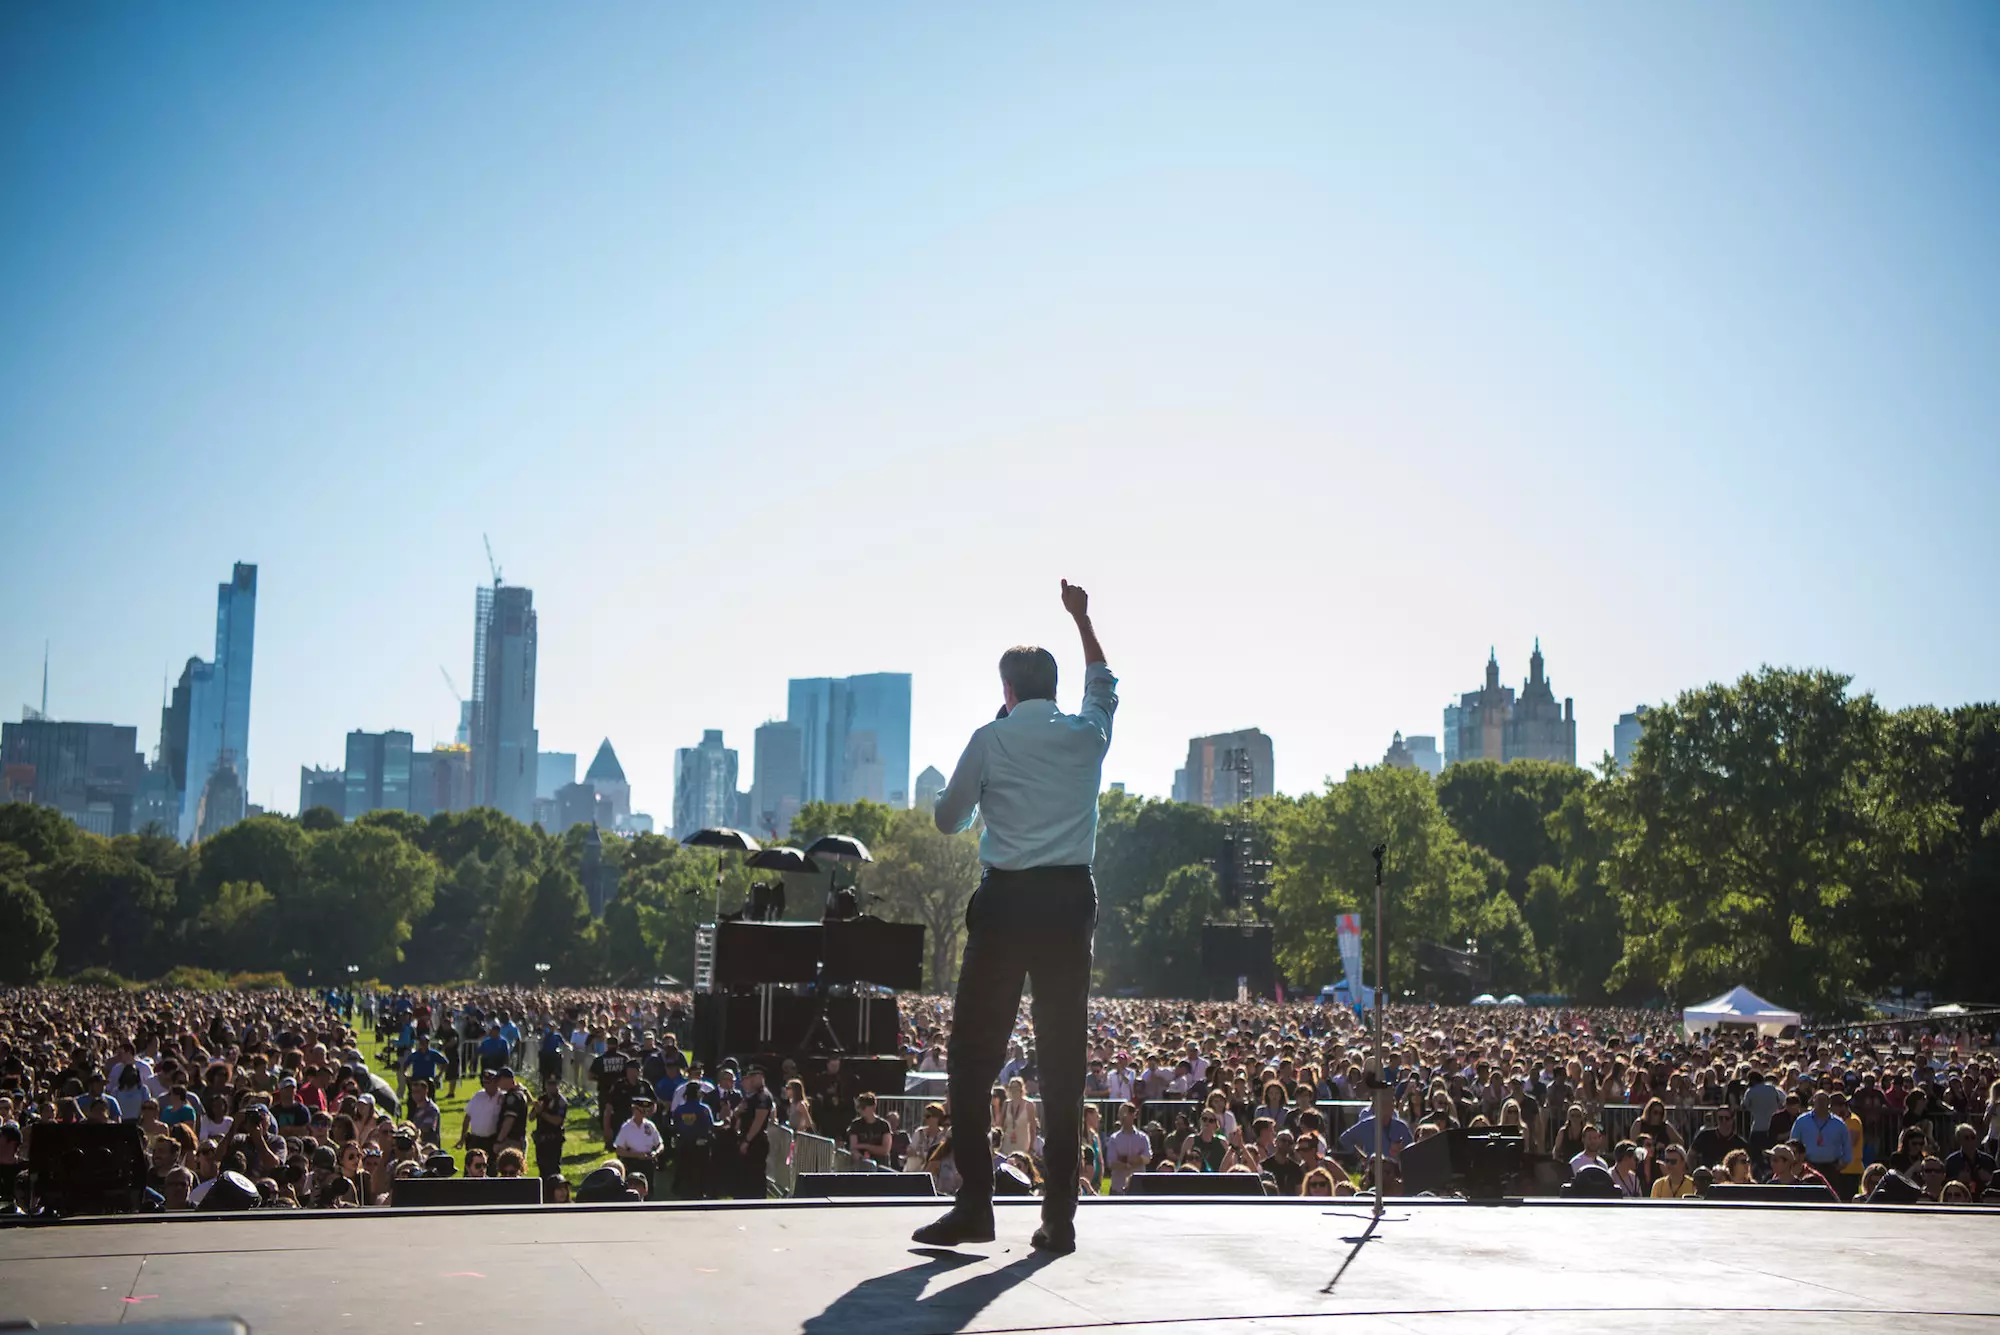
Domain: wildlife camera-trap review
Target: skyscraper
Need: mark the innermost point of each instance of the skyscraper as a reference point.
(929, 784)
(1226, 769)
(1625, 736)
(704, 785)
(1424, 753)
(777, 781)
(553, 770)
(322, 788)
(854, 736)
(1493, 725)
(440, 780)
(378, 772)
(607, 776)
(504, 740)
(218, 714)
(90, 772)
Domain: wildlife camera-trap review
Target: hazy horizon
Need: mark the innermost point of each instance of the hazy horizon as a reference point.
(1326, 346)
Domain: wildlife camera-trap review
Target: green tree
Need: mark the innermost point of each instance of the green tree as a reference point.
(864, 820)
(1320, 849)
(406, 823)
(455, 835)
(1572, 911)
(28, 931)
(1166, 932)
(318, 820)
(449, 942)
(663, 893)
(43, 833)
(235, 929)
(1762, 835)
(928, 877)
(109, 909)
(364, 887)
(1507, 944)
(264, 850)
(545, 920)
(1140, 843)
(1505, 809)
(1961, 883)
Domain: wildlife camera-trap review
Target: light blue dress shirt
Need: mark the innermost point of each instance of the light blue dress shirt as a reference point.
(1033, 776)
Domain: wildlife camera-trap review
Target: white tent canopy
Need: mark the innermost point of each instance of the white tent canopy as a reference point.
(1738, 1006)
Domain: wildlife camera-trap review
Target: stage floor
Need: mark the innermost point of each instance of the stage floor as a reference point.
(1434, 1268)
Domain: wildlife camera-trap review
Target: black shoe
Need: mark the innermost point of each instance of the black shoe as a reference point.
(958, 1225)
(1057, 1238)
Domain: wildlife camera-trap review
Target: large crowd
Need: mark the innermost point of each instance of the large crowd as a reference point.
(325, 1100)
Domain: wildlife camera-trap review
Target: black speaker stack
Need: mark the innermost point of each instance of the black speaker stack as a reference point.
(809, 991)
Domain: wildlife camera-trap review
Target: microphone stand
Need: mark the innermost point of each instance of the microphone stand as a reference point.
(1385, 1096)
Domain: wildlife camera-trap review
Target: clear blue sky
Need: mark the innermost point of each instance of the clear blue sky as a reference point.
(1325, 344)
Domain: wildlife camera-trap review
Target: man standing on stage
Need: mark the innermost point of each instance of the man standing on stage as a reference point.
(1032, 774)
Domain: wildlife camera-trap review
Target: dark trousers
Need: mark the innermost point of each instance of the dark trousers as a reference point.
(1032, 925)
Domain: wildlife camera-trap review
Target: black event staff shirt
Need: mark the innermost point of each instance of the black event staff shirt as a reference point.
(608, 1066)
(550, 1110)
(746, 1113)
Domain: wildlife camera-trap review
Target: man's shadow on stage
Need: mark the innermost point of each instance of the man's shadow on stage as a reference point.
(894, 1303)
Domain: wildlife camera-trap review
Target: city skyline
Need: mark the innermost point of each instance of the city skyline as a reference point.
(811, 342)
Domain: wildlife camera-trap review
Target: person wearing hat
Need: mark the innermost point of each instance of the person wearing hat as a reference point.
(753, 1119)
(694, 1141)
(637, 1143)
(513, 1131)
(550, 1113)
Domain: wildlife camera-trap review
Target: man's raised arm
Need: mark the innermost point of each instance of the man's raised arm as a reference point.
(1077, 603)
(1100, 688)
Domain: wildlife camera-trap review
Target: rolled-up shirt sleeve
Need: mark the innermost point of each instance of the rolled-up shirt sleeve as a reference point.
(960, 798)
(1100, 699)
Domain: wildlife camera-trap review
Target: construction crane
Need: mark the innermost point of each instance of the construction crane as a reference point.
(489, 559)
(464, 734)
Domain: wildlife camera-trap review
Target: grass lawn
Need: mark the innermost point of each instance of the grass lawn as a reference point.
(583, 1146)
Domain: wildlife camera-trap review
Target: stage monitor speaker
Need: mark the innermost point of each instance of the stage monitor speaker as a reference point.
(747, 953)
(865, 1184)
(1783, 1193)
(433, 1192)
(88, 1167)
(870, 950)
(1011, 1181)
(1426, 1165)
(230, 1191)
(1195, 1184)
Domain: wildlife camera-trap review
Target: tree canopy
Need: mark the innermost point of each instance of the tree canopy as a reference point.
(1781, 831)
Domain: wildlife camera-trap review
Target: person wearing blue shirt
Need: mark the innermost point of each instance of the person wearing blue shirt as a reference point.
(1032, 776)
(1828, 1145)
(1360, 1138)
(694, 1133)
(426, 1063)
(493, 1050)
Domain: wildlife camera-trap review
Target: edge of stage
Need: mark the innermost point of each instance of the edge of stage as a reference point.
(1153, 1264)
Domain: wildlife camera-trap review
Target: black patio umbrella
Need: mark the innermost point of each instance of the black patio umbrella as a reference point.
(781, 858)
(830, 850)
(722, 839)
(838, 848)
